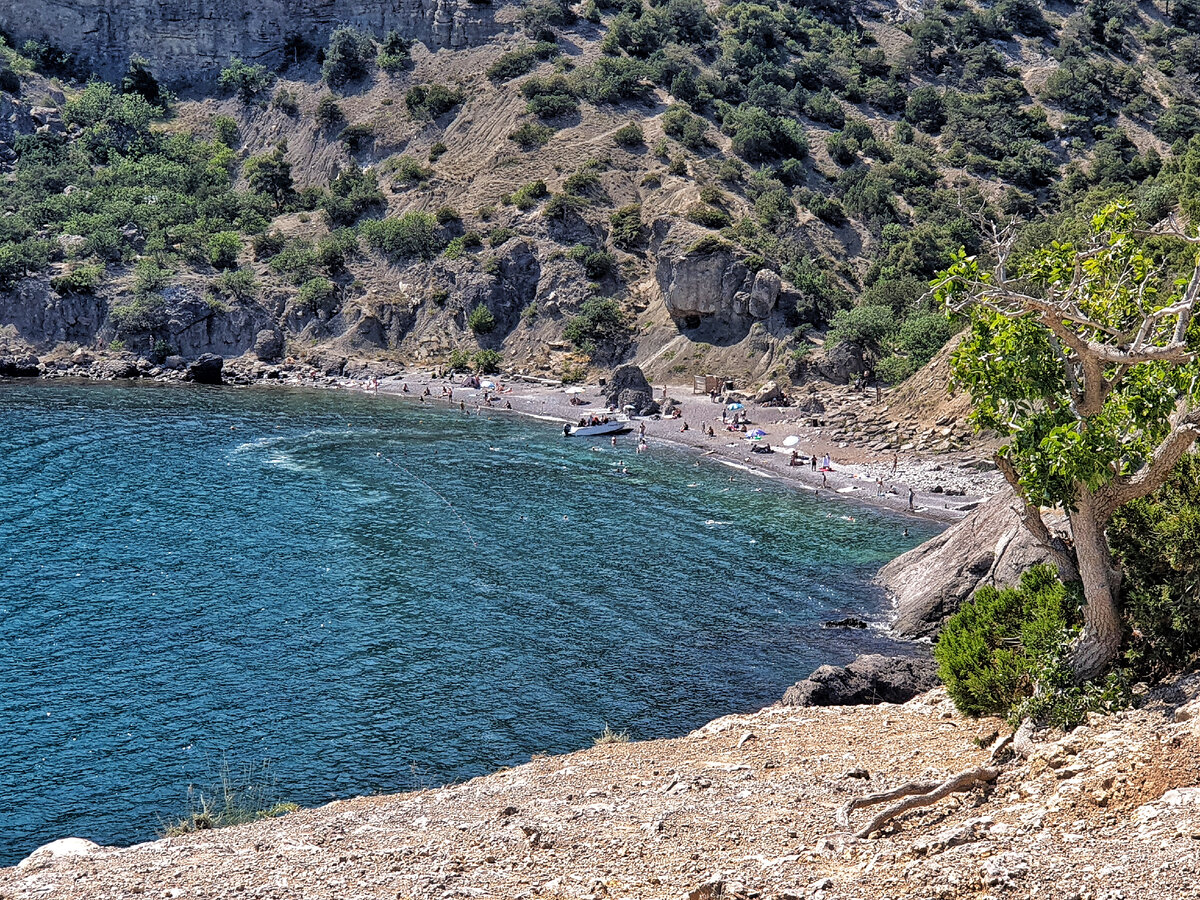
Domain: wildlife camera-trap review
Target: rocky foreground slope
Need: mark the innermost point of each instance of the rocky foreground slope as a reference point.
(744, 807)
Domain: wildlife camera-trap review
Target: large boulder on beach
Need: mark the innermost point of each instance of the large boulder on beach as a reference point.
(628, 387)
(869, 679)
(206, 369)
(770, 392)
(929, 583)
(268, 345)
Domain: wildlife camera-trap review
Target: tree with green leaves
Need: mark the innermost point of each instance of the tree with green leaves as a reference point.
(271, 174)
(1084, 358)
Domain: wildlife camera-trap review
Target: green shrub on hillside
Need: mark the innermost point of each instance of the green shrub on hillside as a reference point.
(80, 280)
(529, 135)
(1155, 541)
(413, 235)
(526, 197)
(600, 324)
(549, 96)
(630, 135)
(351, 194)
(244, 80)
(627, 229)
(432, 101)
(348, 57)
(481, 321)
(223, 249)
(315, 294)
(328, 112)
(991, 652)
(271, 175)
(521, 62)
(394, 53)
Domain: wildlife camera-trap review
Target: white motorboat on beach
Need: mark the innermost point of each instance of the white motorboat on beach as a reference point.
(595, 426)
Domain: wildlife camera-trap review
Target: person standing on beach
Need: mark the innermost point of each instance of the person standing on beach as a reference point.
(641, 431)
(895, 462)
(911, 495)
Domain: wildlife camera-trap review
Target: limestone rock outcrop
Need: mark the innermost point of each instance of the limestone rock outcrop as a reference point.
(703, 278)
(929, 583)
(189, 40)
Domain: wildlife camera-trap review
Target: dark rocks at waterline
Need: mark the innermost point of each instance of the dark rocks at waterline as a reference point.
(116, 367)
(848, 622)
(628, 387)
(22, 366)
(929, 583)
(869, 679)
(206, 369)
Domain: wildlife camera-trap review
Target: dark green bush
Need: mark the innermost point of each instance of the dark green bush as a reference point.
(328, 112)
(315, 294)
(80, 280)
(348, 57)
(431, 101)
(992, 651)
(481, 321)
(600, 324)
(351, 194)
(521, 62)
(708, 216)
(223, 249)
(394, 52)
(526, 197)
(247, 81)
(1156, 540)
(630, 135)
(271, 175)
(486, 362)
(626, 222)
(531, 134)
(414, 234)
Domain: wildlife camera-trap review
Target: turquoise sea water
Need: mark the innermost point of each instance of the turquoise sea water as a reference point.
(372, 596)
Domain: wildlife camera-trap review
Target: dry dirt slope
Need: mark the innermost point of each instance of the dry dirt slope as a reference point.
(744, 807)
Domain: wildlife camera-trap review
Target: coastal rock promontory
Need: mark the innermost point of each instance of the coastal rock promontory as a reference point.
(929, 583)
(869, 679)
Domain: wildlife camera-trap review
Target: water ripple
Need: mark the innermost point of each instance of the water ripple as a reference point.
(357, 590)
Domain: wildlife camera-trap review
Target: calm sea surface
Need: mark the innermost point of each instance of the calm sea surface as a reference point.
(372, 597)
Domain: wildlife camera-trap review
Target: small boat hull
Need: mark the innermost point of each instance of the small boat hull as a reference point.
(604, 429)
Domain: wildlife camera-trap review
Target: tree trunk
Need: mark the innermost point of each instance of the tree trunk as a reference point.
(1097, 645)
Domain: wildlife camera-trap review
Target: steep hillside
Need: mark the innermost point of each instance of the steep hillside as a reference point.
(740, 189)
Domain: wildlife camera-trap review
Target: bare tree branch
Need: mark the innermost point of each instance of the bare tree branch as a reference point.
(917, 794)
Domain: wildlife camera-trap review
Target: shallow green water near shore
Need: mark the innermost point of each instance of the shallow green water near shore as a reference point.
(374, 596)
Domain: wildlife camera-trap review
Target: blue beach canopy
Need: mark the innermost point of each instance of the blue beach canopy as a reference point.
(735, 406)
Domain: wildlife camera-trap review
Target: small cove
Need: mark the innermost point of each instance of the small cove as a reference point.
(374, 596)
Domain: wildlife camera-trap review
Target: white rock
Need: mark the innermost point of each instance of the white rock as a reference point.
(63, 847)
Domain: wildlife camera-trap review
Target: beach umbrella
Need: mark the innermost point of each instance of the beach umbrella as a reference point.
(758, 432)
(735, 406)
(791, 440)
(487, 384)
(574, 390)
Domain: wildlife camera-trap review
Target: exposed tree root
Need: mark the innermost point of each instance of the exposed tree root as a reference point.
(916, 794)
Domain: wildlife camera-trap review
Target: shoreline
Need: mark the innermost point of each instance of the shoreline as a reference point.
(852, 480)
(945, 486)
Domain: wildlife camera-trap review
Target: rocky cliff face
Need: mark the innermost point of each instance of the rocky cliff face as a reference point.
(191, 39)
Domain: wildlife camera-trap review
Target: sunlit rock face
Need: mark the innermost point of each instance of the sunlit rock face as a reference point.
(189, 40)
